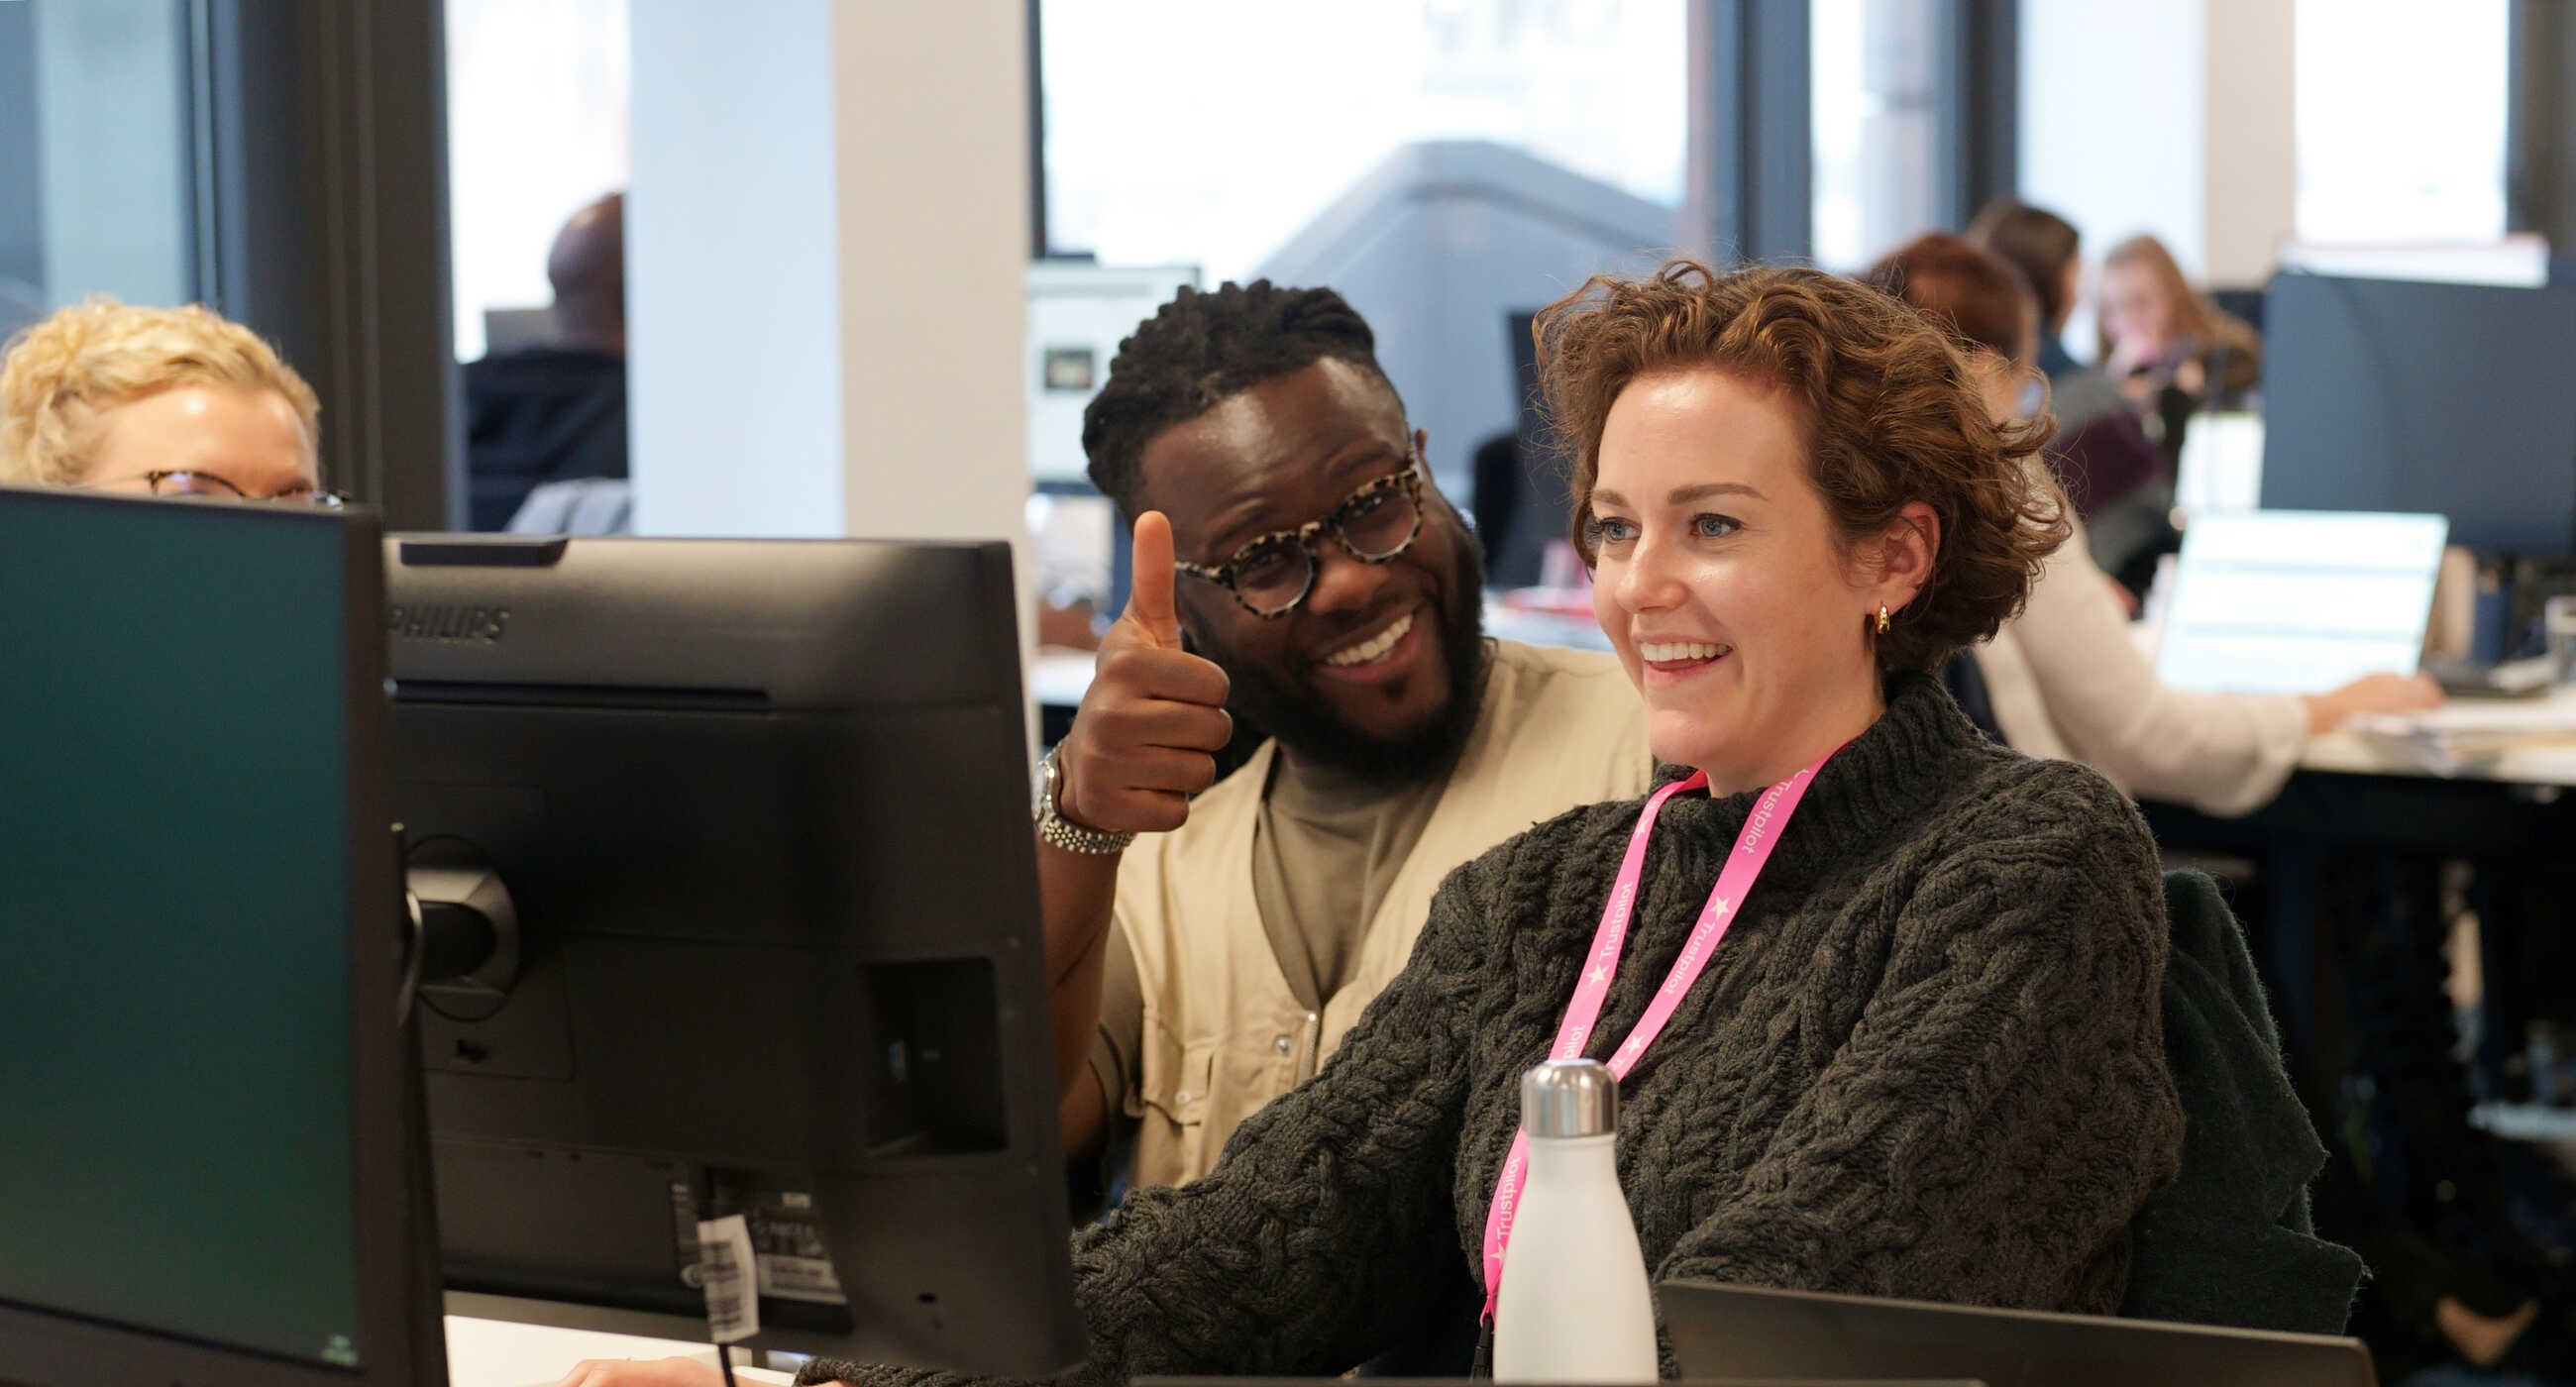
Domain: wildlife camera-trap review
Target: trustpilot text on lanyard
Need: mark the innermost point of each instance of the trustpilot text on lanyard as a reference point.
(1762, 829)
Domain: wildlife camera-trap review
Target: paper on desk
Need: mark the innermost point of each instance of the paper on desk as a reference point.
(2472, 731)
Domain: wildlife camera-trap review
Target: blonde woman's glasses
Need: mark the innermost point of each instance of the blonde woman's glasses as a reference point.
(188, 483)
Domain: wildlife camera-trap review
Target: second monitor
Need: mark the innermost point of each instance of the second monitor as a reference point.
(724, 856)
(2450, 399)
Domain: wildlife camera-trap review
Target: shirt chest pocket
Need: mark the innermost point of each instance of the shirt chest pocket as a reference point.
(1177, 1077)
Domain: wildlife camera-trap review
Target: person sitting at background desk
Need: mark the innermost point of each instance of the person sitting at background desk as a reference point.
(2063, 677)
(166, 401)
(1335, 604)
(2120, 483)
(2170, 349)
(556, 411)
(1928, 1063)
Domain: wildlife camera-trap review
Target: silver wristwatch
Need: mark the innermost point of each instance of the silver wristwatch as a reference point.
(1062, 832)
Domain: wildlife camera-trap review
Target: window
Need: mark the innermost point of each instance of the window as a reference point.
(1445, 164)
(536, 122)
(94, 155)
(1179, 132)
(2401, 113)
(1875, 70)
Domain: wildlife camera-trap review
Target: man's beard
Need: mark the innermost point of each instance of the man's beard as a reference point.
(1308, 727)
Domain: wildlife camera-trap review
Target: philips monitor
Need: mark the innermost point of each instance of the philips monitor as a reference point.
(209, 1114)
(2451, 399)
(724, 856)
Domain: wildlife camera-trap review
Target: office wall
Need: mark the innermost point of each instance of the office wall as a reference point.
(932, 116)
(2249, 146)
(733, 261)
(826, 239)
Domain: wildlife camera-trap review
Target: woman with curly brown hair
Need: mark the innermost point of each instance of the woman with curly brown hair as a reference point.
(1917, 1048)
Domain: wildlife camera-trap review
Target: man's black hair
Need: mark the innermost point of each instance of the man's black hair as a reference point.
(1200, 349)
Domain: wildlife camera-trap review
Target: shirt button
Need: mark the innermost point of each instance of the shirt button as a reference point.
(1284, 1043)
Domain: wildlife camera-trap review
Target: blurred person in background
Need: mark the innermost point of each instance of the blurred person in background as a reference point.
(2113, 473)
(2063, 679)
(163, 401)
(2100, 450)
(2048, 251)
(556, 412)
(2171, 349)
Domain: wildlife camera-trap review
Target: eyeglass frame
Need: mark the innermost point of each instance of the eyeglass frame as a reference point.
(317, 496)
(1225, 574)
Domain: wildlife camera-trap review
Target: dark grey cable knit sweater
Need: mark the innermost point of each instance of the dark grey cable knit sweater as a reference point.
(1927, 1062)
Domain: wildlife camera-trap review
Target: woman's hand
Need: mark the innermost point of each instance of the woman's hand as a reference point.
(2372, 693)
(2192, 377)
(2131, 353)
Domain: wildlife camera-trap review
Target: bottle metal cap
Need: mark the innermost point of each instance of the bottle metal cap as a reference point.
(1569, 1098)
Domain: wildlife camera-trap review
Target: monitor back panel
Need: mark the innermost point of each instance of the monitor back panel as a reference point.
(1743, 1332)
(2453, 399)
(767, 844)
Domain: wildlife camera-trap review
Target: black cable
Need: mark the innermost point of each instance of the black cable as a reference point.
(724, 1360)
(409, 993)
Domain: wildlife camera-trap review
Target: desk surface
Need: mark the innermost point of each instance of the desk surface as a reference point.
(2507, 741)
(496, 1353)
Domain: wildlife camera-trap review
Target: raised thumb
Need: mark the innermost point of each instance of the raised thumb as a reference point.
(1149, 595)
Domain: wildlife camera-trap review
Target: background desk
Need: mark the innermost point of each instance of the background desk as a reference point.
(2357, 795)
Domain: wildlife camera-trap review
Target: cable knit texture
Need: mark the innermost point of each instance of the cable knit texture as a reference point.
(1927, 1062)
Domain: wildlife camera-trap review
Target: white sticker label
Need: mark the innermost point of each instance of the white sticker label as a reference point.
(727, 1275)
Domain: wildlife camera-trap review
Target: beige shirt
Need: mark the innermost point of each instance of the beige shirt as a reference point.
(1201, 1024)
(2067, 683)
(1326, 848)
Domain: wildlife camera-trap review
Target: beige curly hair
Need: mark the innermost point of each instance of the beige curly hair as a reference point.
(64, 374)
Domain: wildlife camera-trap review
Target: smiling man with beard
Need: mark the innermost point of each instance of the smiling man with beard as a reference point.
(1295, 566)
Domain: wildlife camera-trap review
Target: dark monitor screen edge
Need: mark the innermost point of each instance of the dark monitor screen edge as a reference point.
(198, 1045)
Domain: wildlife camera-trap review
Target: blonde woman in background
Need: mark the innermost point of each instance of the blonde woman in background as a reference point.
(164, 401)
(2157, 332)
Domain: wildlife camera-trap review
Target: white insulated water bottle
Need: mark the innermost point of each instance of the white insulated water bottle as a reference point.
(1573, 1305)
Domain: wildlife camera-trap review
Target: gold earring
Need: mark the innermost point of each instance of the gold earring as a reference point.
(1882, 620)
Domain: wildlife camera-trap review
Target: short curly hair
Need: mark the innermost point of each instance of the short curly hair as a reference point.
(1978, 295)
(1887, 403)
(1201, 348)
(2035, 241)
(63, 374)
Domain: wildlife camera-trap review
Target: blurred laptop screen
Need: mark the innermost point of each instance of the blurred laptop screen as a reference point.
(2299, 601)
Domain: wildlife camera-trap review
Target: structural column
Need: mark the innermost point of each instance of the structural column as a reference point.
(827, 236)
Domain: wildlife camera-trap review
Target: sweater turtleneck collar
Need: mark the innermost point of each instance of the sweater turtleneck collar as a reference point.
(1888, 776)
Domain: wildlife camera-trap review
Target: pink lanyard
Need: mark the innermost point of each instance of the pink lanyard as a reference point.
(1762, 829)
